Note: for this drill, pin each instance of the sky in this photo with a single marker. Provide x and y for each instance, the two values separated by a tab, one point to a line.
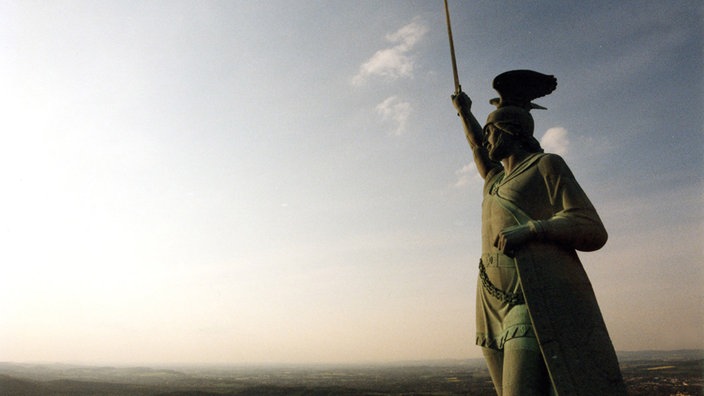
258	182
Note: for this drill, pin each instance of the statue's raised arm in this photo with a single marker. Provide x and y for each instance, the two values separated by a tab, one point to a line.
516	88
474	133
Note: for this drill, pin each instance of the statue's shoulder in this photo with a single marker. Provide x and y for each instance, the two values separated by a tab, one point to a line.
552	164
550	158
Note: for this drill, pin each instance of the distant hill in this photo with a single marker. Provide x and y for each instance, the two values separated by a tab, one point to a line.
681	354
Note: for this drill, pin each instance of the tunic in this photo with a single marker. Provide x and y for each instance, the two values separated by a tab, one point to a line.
560	309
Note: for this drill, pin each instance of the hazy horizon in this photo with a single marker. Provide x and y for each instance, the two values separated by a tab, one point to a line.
287	181
623	356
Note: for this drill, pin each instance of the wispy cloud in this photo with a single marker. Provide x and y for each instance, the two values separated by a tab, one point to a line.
395	61
396	111
467	175
555	140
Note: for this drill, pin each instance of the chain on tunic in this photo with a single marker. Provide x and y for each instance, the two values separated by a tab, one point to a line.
503	296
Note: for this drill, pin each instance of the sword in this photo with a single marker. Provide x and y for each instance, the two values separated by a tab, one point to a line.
458	87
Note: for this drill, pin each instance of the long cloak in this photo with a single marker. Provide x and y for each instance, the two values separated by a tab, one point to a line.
563	309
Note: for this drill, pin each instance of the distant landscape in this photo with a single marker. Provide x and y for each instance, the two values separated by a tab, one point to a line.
651	373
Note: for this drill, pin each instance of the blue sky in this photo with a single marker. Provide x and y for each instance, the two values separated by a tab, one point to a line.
287	181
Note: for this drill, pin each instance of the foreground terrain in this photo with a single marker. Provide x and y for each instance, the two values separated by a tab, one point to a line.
646	373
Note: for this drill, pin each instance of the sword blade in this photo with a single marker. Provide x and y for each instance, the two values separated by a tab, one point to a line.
458	88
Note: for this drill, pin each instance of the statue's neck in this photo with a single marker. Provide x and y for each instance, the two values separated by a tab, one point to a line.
511	162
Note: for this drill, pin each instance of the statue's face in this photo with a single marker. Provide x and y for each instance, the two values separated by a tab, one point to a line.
497	142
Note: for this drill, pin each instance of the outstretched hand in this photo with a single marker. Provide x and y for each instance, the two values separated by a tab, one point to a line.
510	239
461	101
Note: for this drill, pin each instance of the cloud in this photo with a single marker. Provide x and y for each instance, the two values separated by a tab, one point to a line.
395	110
466	175
393	62
555	140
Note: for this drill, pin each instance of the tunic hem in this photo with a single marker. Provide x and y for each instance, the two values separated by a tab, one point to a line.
508	334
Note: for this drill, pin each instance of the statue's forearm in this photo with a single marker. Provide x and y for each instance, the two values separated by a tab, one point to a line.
472	129
585	233
474	134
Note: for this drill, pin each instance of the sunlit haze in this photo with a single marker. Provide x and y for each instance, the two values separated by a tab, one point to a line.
283	181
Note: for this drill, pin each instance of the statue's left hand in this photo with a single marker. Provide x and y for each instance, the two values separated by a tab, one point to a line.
510	239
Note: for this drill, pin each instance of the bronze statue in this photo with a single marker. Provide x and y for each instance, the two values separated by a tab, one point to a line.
538	321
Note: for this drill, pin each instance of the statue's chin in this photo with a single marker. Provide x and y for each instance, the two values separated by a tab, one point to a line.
496	153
